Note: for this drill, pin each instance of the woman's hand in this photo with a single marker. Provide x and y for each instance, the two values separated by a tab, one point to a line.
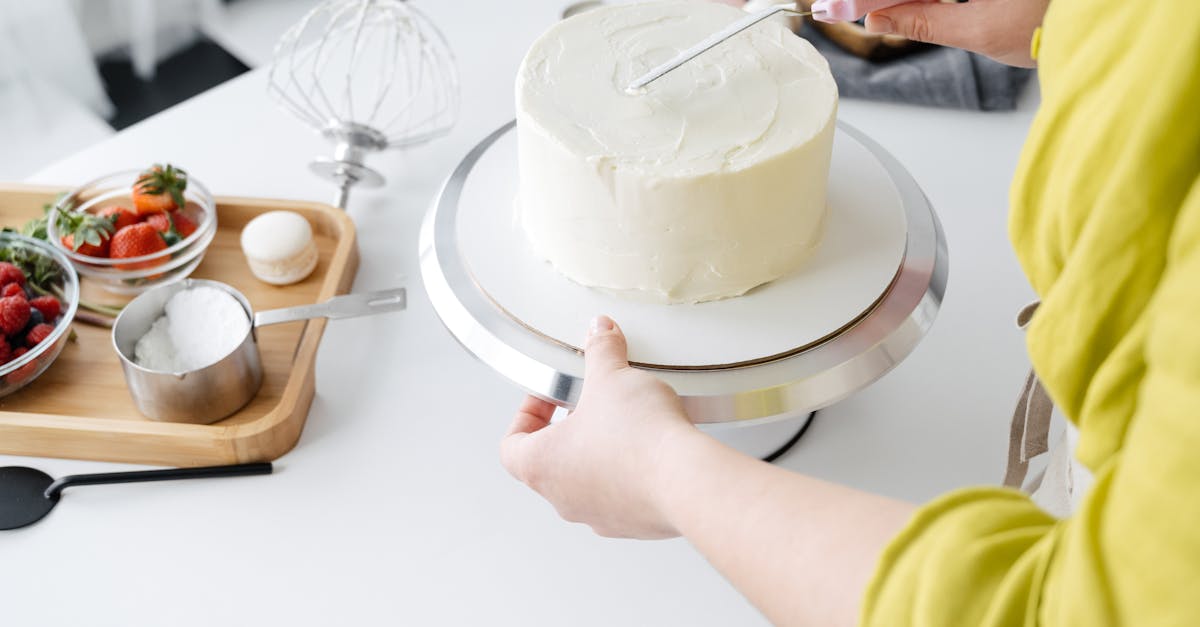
603	465
1000	29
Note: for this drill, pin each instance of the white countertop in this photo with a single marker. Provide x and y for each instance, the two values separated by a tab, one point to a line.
393	507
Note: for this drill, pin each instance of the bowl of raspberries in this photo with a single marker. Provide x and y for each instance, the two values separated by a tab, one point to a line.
39	293
136	229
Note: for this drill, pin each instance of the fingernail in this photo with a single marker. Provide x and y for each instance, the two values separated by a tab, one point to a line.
880	24
600	323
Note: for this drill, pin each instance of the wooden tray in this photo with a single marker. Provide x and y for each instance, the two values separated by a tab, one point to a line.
80	408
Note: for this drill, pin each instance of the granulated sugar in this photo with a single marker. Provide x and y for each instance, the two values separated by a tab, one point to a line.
200	326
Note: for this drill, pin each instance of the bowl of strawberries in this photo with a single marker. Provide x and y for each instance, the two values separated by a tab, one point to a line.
39	293
135	229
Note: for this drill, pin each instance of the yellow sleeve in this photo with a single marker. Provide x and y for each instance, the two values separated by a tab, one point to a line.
1106	222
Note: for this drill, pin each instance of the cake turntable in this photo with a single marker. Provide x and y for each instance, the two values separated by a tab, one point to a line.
859	306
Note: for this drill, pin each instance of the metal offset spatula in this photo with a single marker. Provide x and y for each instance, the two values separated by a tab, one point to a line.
824	10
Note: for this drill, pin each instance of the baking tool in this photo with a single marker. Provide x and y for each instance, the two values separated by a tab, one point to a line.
368	75
823	10
712	41
731	361
28	494
213	392
81	409
576	8
849	10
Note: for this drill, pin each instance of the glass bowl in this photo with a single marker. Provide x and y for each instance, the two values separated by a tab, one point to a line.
134	275
17	373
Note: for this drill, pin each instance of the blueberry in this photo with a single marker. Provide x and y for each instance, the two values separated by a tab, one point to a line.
35	318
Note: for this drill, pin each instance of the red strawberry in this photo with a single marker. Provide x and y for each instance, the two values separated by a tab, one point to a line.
174	226
160	222
159	189
121	216
38	333
86	249
137	240
14	314
12	289
18	351
48	305
6	352
183	225
11	274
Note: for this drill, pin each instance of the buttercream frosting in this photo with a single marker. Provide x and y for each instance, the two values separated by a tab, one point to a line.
702	185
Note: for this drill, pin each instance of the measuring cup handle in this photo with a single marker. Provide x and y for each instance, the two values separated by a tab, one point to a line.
348	306
169	474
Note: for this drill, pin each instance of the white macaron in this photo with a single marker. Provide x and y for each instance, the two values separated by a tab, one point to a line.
279	247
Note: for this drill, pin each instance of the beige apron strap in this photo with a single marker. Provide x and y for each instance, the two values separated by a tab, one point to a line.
1029	433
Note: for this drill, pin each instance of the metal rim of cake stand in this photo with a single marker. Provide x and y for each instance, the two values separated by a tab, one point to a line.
784	388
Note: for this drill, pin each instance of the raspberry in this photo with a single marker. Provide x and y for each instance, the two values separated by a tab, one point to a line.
22	375
13	289
48	305
37	334
11	274
14	314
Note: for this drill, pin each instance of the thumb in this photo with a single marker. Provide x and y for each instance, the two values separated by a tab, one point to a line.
605	350
956	25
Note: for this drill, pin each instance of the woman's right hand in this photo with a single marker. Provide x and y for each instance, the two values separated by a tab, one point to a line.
1000	29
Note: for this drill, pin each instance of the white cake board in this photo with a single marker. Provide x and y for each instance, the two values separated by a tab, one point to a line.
853	265
867	345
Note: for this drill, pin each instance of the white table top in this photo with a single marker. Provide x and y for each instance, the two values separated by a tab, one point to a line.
393	507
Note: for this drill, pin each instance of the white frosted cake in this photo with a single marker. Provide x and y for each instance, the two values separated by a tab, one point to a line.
703	185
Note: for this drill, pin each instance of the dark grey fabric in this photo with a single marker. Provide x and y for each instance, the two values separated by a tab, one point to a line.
936	76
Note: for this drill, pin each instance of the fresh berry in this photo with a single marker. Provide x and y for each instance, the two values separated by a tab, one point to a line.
120	217
174	226
84	233
23	374
12	289
183	225
14	314
85	249
135	241
11	274
6	352
37	334
35	318
159	189
48	305
160	222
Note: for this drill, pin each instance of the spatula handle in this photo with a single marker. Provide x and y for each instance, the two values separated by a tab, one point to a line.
168	474
348	306
849	10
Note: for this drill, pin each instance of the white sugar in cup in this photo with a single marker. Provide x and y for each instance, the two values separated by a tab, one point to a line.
179	390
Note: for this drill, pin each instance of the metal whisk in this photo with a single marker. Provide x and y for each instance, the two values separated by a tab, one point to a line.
369	75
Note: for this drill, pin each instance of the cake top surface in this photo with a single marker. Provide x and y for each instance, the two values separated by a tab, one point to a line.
761	93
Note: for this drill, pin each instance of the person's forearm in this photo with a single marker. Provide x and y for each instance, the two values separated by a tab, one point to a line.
801	549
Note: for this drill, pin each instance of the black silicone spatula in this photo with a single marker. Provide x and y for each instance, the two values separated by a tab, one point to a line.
28	494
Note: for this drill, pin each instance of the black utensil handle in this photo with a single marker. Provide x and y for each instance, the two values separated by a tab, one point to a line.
168	474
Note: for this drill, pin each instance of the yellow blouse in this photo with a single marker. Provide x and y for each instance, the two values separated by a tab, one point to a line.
1105	219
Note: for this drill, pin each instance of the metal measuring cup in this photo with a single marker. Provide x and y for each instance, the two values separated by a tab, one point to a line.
208	394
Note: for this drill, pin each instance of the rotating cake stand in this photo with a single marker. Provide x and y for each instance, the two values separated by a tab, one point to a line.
852	313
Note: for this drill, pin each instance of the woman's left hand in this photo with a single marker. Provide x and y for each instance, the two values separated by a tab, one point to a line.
605	464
